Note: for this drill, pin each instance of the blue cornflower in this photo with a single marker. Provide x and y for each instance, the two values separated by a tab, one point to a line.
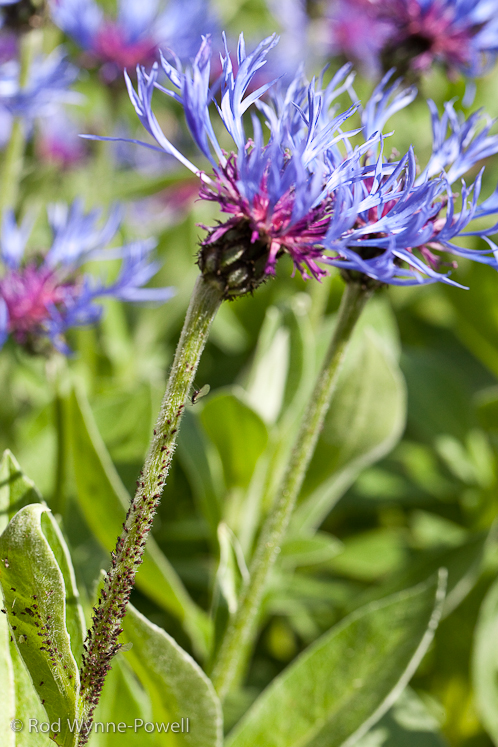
47	86
278	194
307	192
140	28
414	34
42	296
394	225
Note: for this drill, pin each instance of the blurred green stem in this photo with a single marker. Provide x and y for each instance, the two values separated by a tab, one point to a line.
241	629
14	153
56	369
101	643
59	496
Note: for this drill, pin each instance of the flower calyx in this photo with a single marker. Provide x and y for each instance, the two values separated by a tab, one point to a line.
234	261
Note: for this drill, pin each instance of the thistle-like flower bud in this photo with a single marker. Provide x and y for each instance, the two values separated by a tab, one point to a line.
233	262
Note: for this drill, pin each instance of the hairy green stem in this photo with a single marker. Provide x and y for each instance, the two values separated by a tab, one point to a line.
101	643
14	153
241	628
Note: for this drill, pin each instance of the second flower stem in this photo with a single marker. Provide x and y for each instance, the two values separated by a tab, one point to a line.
241	628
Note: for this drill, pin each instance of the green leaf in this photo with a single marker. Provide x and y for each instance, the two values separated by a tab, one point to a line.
75	620
7	688
239	434
232	567
17	694
202	466
16	490
267	378
178	687
35	597
339	687
407	724
309	550
463	564
104	501
370	555
365	420
485	663
27	705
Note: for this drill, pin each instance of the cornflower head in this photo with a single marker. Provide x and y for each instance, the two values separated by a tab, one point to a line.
412	35
398	226
47	86
279	194
138	30
44	294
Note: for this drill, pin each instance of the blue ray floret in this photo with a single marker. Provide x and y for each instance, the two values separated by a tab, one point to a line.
42	296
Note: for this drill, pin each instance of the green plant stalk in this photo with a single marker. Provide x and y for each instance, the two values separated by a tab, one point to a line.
14	153
241	627
101	643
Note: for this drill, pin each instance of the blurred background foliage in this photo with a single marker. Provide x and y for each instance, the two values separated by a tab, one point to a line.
404	478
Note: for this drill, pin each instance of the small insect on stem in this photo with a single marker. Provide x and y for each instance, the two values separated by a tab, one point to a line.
198	393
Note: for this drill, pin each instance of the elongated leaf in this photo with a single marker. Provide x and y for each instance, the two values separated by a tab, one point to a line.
7	688
178	687
35	601
16	490
462	563
407	724
17	694
308	550
104	501
339	687
365	420
75	620
239	434
485	663
268	375
27	707
203	468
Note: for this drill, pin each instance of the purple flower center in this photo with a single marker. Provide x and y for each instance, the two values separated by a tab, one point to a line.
31	294
433	32
272	222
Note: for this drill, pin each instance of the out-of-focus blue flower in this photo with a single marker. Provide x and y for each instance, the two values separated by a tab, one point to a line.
279	192
140	28
396	227
413	34
47	86
42	296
